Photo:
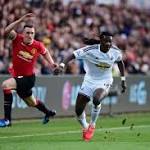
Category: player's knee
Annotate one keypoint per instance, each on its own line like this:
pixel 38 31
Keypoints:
pixel 96 101
pixel 78 111
pixel 29 100
pixel 98 97
pixel 31 104
pixel 5 85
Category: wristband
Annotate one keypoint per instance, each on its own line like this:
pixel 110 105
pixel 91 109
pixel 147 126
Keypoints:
pixel 123 78
pixel 62 65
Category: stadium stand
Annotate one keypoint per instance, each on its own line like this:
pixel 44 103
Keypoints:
pixel 62 26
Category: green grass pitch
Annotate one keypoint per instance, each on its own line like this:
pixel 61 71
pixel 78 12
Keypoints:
pixel 121 132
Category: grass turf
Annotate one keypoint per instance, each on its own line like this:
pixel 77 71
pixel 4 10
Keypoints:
pixel 125 132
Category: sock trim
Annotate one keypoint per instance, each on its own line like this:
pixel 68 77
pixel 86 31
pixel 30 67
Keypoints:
pixel 7 91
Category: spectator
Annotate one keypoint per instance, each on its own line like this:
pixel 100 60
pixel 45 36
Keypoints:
pixel 62 25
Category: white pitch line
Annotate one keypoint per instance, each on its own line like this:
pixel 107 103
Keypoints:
pixel 72 132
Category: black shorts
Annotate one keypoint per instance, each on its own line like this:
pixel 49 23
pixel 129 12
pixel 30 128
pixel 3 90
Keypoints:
pixel 25 85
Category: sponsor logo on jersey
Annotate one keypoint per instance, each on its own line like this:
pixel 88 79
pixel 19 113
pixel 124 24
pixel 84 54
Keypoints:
pixel 103 65
pixel 25 55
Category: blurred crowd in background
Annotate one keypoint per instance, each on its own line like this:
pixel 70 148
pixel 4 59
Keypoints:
pixel 62 27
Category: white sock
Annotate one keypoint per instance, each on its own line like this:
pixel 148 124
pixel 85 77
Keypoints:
pixel 82 120
pixel 95 114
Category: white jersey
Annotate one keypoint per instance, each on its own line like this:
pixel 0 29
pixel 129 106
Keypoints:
pixel 98 65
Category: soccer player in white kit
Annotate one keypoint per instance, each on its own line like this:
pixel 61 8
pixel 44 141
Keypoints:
pixel 98 59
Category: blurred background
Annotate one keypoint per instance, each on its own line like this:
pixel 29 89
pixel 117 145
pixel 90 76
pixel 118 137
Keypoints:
pixel 61 25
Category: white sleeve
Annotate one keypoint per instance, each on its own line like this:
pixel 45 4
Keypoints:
pixel 81 53
pixel 118 56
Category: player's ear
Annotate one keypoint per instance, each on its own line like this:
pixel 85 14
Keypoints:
pixel 102 37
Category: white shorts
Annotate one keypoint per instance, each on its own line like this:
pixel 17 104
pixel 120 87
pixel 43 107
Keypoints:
pixel 88 87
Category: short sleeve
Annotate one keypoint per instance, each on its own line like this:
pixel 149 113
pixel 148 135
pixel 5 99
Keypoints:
pixel 19 38
pixel 118 56
pixel 42 48
pixel 81 53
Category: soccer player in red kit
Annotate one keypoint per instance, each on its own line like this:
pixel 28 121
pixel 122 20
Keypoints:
pixel 25 53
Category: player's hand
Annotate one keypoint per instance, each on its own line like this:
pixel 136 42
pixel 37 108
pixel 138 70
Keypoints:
pixel 124 86
pixel 58 70
pixel 27 16
pixel 55 65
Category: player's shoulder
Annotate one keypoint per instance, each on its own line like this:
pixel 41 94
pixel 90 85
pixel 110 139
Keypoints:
pixel 115 49
pixel 38 43
pixel 91 47
pixel 19 36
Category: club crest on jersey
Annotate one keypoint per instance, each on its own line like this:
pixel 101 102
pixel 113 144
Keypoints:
pixel 33 51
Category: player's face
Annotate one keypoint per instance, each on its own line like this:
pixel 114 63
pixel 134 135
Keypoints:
pixel 106 43
pixel 29 34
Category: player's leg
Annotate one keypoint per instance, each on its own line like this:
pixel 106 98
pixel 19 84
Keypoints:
pixel 98 96
pixel 7 86
pixel 83 98
pixel 24 86
pixel 100 92
pixel 81 102
pixel 31 101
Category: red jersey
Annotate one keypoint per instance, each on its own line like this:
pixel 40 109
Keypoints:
pixel 25 56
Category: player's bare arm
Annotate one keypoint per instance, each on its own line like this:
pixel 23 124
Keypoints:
pixel 9 30
pixel 62 65
pixel 121 67
pixel 66 61
pixel 50 60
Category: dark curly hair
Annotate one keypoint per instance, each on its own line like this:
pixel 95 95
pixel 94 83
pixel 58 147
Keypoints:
pixel 89 41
